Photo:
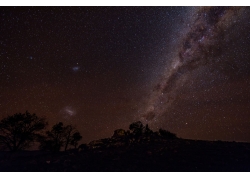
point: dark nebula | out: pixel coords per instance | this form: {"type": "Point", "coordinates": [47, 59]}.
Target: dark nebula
{"type": "Point", "coordinates": [184, 69]}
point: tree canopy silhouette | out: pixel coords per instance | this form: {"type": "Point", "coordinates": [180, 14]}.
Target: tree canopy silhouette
{"type": "Point", "coordinates": [19, 131]}
{"type": "Point", "coordinates": [72, 136]}
{"type": "Point", "coordinates": [137, 134]}
{"type": "Point", "coordinates": [76, 137]}
{"type": "Point", "coordinates": [139, 129]}
{"type": "Point", "coordinates": [55, 138]}
{"type": "Point", "coordinates": [136, 128]}
{"type": "Point", "coordinates": [60, 136]}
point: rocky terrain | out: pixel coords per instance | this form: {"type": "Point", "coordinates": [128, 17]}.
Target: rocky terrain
{"type": "Point", "coordinates": [122, 154]}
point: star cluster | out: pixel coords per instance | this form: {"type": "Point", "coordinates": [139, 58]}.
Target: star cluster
{"type": "Point", "coordinates": [185, 69]}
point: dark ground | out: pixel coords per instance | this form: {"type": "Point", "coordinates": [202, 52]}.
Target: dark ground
{"type": "Point", "coordinates": [166, 155]}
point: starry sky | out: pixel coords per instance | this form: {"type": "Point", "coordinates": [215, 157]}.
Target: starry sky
{"type": "Point", "coordinates": [184, 69]}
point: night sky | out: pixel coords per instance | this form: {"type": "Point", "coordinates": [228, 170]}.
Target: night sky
{"type": "Point", "coordinates": [183, 69]}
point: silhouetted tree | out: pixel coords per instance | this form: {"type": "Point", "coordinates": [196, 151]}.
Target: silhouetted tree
{"type": "Point", "coordinates": [19, 131]}
{"type": "Point", "coordinates": [55, 138]}
{"type": "Point", "coordinates": [147, 131]}
{"type": "Point", "coordinates": [68, 135]}
{"type": "Point", "coordinates": [166, 134]}
{"type": "Point", "coordinates": [76, 137]}
{"type": "Point", "coordinates": [136, 128]}
{"type": "Point", "coordinates": [60, 136]}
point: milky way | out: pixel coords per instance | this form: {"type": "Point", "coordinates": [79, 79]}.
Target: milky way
{"type": "Point", "coordinates": [200, 46]}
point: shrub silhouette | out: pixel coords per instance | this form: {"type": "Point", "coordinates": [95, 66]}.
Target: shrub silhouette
{"type": "Point", "coordinates": [19, 131]}
{"type": "Point", "coordinates": [119, 133]}
{"type": "Point", "coordinates": [83, 147]}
